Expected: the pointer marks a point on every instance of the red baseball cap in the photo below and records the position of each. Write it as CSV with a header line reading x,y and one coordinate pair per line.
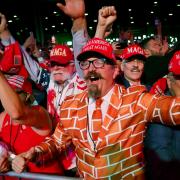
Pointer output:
x,y
159,87
12,60
20,82
133,51
61,54
174,65
97,47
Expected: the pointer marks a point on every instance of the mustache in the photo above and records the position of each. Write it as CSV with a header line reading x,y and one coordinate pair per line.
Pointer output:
x,y
57,72
135,69
94,75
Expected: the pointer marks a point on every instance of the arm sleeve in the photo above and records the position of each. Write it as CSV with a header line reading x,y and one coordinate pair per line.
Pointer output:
x,y
80,38
39,75
55,144
31,65
163,109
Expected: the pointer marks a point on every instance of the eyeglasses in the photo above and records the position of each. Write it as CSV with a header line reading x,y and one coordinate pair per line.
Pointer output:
x,y
97,63
173,76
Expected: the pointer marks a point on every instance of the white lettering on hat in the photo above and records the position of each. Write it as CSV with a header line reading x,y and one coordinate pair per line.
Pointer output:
x,y
135,49
58,52
98,42
177,56
92,47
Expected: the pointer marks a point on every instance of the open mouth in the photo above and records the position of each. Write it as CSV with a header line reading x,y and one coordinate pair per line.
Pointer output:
x,y
56,73
94,78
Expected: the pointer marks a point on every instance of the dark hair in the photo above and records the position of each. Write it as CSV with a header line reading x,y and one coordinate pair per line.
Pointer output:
x,y
137,56
144,43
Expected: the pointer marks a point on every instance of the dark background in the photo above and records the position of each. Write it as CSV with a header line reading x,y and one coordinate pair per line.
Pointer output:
x,y
31,16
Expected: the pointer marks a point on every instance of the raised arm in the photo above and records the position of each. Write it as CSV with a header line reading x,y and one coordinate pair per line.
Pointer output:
x,y
6,38
75,9
4,32
106,17
9,99
36,117
162,109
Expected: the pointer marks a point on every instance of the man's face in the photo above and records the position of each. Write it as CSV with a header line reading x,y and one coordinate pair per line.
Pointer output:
x,y
155,47
99,76
133,70
174,84
61,73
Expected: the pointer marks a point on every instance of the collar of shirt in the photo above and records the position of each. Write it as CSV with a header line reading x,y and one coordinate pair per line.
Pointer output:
x,y
104,105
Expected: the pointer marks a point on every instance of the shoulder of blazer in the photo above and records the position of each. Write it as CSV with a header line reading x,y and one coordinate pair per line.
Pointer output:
x,y
136,89
74,99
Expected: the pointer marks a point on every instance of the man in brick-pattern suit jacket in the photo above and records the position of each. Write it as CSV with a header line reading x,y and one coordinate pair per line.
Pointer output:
x,y
117,153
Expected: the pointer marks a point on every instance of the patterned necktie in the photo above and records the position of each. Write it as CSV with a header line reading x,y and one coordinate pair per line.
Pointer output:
x,y
96,120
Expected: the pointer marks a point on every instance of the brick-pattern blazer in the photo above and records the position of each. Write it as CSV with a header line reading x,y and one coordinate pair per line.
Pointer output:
x,y
119,149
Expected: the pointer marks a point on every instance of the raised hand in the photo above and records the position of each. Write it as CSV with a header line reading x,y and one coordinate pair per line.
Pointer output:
x,y
73,8
116,46
165,46
3,23
30,41
4,32
107,15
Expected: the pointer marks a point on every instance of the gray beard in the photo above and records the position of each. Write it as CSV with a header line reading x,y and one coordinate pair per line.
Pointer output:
x,y
93,91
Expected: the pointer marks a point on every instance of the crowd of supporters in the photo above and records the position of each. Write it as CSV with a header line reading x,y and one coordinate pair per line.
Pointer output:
x,y
50,120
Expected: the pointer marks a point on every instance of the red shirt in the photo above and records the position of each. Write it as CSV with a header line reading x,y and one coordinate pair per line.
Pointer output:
x,y
21,138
